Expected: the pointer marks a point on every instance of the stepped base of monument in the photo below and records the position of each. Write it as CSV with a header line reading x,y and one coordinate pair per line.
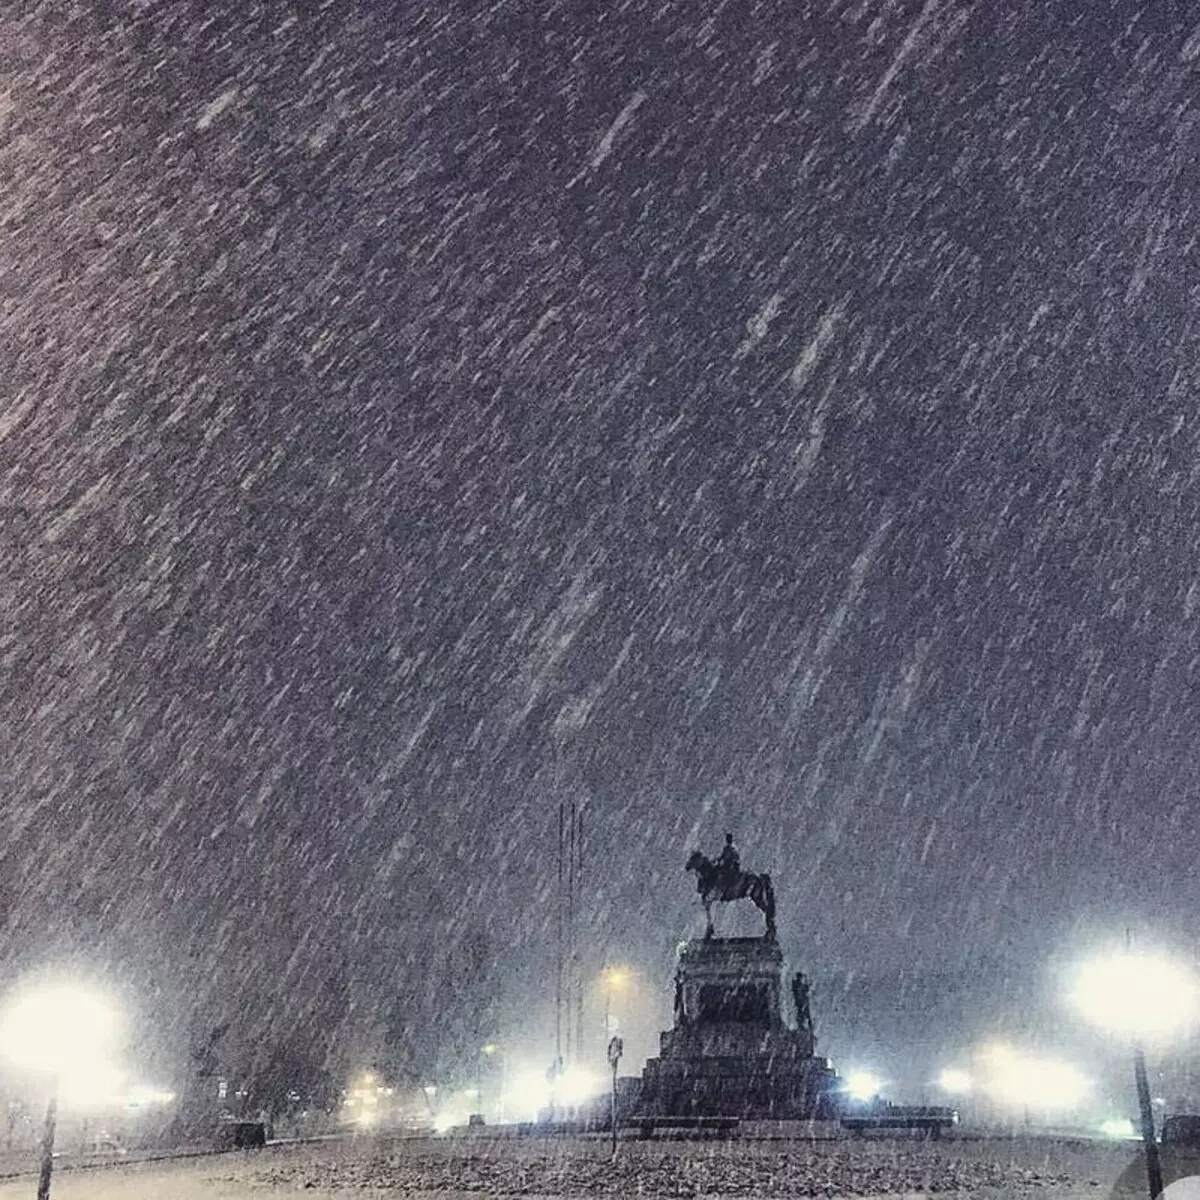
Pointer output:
x,y
752,1087
775,1043
731,1053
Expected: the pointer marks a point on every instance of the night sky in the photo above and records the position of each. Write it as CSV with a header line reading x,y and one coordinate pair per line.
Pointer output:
x,y
773,416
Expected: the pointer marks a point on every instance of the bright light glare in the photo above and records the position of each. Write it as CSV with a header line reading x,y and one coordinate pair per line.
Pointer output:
x,y
618,977
364,1096
954,1081
64,1028
144,1095
862,1085
445,1121
94,1085
577,1086
1132,993
1021,1080
527,1095
1118,1127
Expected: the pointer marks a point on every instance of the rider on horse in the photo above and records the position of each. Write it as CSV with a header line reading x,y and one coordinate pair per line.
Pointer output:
x,y
729,865
724,880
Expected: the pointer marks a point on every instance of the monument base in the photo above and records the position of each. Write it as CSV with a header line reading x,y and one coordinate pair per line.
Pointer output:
x,y
730,1052
762,1089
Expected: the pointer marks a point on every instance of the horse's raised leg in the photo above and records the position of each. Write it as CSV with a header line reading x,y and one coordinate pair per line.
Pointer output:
x,y
709,931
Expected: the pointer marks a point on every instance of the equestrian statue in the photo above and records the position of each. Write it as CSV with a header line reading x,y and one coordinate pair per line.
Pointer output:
x,y
725,880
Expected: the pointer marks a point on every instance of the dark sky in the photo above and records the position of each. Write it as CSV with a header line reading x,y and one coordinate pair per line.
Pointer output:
x,y
773,416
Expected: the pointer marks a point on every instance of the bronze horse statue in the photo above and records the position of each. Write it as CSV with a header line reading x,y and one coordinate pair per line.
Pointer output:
x,y
715,884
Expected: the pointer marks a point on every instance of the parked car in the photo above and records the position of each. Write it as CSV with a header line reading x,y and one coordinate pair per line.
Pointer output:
x,y
1181,1130
241,1135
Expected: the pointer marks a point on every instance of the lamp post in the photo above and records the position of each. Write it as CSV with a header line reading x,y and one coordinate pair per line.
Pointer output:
x,y
616,1047
1143,997
615,979
64,1031
492,1050
1146,1113
46,1164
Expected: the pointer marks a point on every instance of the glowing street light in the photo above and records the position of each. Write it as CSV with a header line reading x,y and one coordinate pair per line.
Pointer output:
x,y
492,1051
616,979
954,1081
577,1086
1021,1080
67,1031
1118,1128
62,1028
529,1094
862,1086
1144,997
1140,995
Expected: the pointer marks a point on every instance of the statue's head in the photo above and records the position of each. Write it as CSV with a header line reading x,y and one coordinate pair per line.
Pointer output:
x,y
729,839
695,861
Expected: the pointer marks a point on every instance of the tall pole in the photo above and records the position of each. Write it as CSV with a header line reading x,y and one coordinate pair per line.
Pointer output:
x,y
1145,1108
47,1163
616,1046
1153,1163
612,1110
579,1052
570,924
558,971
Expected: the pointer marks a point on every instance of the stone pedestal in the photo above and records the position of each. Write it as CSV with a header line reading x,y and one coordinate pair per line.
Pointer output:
x,y
730,1052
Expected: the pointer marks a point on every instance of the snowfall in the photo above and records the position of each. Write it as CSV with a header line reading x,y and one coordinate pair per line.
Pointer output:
x,y
531,1167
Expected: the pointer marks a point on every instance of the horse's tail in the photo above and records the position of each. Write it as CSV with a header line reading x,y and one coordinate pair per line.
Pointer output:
x,y
769,896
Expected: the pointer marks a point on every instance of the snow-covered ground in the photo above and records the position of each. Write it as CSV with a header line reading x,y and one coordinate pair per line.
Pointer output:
x,y
568,1168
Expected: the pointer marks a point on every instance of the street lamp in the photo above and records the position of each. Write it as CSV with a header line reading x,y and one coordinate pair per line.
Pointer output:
x,y
615,979
490,1051
1137,994
63,1030
1022,1080
1144,997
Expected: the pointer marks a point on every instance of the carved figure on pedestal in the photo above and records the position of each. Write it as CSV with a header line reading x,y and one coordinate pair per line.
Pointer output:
x,y
800,993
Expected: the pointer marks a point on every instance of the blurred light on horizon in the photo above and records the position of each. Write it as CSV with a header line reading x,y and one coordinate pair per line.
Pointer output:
x,y
144,1095
1118,1127
1144,994
577,1086
97,1085
529,1093
1022,1080
363,1098
861,1085
445,1121
954,1081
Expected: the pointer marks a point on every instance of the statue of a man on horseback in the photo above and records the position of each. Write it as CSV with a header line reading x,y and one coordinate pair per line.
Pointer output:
x,y
724,880
729,865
